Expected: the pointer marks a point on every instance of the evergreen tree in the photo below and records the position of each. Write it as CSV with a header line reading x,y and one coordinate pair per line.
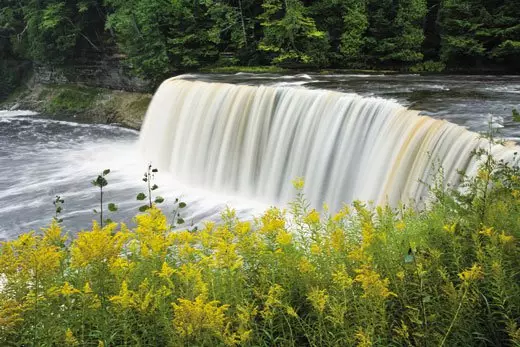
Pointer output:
x,y
290,36
460,24
356,24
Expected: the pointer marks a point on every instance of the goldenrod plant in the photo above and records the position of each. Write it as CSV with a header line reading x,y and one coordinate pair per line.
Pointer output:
x,y
365,276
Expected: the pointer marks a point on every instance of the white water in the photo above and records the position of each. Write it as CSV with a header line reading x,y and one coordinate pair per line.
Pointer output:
x,y
254,140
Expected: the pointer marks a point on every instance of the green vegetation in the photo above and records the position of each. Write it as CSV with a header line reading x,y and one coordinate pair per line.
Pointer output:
x,y
366,276
70,98
249,69
161,38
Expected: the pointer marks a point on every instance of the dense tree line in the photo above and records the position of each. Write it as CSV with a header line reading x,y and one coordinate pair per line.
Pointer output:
x,y
161,37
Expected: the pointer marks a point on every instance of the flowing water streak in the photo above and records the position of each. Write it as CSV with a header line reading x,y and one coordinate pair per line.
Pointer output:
x,y
253,140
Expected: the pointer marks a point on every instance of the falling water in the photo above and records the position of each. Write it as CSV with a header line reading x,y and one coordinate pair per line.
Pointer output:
x,y
254,140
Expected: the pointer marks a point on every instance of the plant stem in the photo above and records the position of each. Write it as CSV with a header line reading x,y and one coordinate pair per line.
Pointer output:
x,y
454,317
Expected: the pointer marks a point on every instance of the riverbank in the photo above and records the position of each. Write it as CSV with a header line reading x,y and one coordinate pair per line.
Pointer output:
x,y
82,103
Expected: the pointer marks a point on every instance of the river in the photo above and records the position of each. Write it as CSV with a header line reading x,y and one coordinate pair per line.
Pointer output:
x,y
42,157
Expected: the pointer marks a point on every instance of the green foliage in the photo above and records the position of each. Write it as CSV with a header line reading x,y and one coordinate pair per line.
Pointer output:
x,y
516,115
353,37
51,31
290,36
160,38
428,66
251,69
71,99
476,32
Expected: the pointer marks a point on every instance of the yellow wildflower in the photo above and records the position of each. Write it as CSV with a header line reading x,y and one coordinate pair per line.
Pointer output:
x,y
242,228
505,239
68,290
515,193
400,225
284,238
291,312
152,229
472,274
97,246
246,313
52,234
450,228
166,271
372,284
10,314
363,339
318,299
193,318
182,237
70,340
312,218
126,297
315,249
273,300
341,279
344,212
400,275
337,239
305,266
487,232
190,276
298,183
44,259
225,256
272,221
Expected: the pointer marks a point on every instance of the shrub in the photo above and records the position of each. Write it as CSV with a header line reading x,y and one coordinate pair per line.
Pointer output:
x,y
428,66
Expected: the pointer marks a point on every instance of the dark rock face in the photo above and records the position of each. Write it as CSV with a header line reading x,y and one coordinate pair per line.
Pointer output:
x,y
104,72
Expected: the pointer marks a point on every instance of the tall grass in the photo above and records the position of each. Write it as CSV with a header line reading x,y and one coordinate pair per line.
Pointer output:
x,y
365,276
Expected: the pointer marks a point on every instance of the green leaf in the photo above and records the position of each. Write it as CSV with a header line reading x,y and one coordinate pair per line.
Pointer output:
x,y
106,172
180,221
182,205
144,208
154,187
112,207
108,221
159,199
141,196
155,170
95,211
58,209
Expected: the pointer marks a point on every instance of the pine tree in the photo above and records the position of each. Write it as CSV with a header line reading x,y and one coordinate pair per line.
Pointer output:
x,y
290,36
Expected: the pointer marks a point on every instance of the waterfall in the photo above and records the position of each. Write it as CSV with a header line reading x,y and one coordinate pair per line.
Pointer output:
x,y
254,140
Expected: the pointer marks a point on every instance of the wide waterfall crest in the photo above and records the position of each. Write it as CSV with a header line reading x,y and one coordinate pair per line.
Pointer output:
x,y
254,140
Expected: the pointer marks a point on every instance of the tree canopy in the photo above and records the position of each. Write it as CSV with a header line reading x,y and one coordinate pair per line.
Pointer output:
x,y
162,37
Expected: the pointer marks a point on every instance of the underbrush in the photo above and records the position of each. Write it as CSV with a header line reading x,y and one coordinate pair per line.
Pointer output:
x,y
366,276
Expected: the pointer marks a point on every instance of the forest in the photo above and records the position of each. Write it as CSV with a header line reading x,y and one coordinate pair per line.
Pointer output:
x,y
158,38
